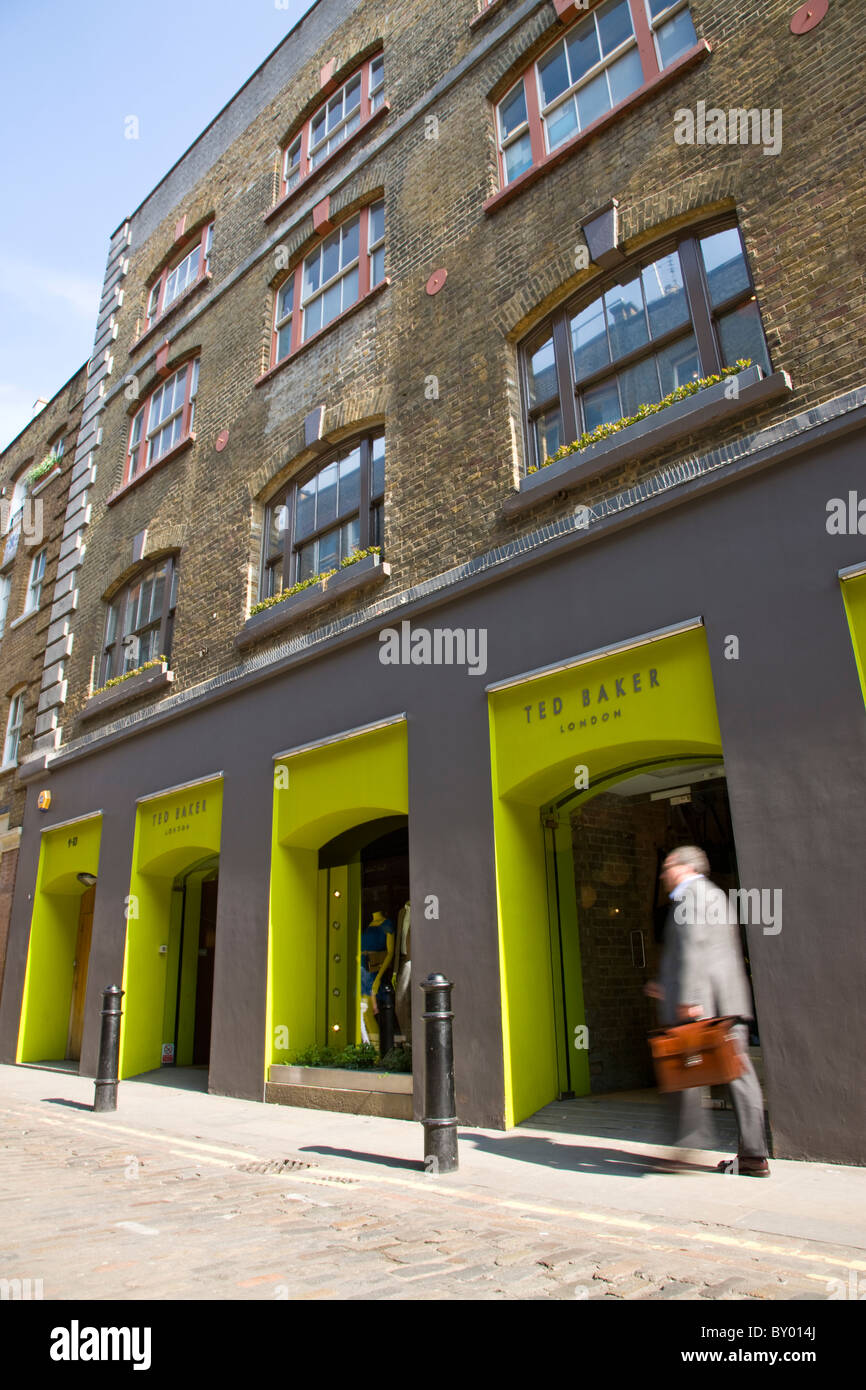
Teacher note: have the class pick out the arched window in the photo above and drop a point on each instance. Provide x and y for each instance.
(680, 312)
(344, 113)
(601, 61)
(330, 510)
(185, 270)
(164, 421)
(140, 621)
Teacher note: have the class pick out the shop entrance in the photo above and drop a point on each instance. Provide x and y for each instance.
(608, 910)
(364, 933)
(190, 967)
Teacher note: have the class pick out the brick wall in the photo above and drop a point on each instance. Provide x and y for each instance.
(452, 461)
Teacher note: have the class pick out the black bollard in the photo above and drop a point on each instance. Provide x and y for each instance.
(105, 1094)
(440, 1120)
(385, 1019)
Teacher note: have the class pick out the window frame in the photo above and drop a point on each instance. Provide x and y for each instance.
(139, 459)
(643, 40)
(701, 324)
(279, 567)
(371, 100)
(296, 319)
(5, 596)
(16, 701)
(36, 580)
(111, 660)
(203, 243)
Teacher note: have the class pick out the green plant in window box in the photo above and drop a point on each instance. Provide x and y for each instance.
(690, 388)
(302, 584)
(127, 675)
(39, 470)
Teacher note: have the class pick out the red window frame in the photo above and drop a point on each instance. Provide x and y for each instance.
(644, 41)
(369, 243)
(203, 242)
(138, 446)
(367, 111)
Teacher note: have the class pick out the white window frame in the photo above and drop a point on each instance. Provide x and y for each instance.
(373, 246)
(340, 274)
(333, 138)
(36, 580)
(570, 94)
(14, 724)
(5, 591)
(180, 277)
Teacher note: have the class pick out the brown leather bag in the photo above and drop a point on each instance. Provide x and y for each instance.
(700, 1053)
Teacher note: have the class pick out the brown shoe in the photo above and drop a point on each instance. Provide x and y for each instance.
(744, 1166)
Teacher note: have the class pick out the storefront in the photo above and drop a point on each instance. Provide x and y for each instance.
(518, 814)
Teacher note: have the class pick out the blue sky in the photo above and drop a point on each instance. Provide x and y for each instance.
(72, 73)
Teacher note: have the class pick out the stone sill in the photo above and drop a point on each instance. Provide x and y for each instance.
(684, 417)
(310, 342)
(695, 55)
(364, 574)
(286, 199)
(172, 309)
(145, 683)
(341, 1078)
(182, 444)
(22, 618)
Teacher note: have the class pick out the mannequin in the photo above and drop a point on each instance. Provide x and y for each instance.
(377, 952)
(403, 973)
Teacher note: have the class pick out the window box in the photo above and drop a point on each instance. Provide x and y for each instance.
(684, 417)
(386, 1094)
(363, 574)
(143, 683)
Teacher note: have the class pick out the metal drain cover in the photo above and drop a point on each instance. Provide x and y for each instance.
(276, 1165)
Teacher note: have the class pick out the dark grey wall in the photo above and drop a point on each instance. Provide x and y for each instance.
(755, 560)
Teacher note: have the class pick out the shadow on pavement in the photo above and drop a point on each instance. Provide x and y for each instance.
(72, 1104)
(381, 1160)
(577, 1158)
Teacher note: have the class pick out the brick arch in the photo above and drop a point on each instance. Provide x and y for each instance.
(350, 415)
(161, 541)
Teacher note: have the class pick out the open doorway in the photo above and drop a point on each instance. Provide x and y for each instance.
(609, 924)
(191, 949)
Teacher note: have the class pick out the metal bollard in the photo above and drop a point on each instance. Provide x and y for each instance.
(105, 1093)
(385, 1019)
(440, 1119)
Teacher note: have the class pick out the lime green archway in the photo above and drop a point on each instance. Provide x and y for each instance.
(580, 725)
(65, 852)
(173, 832)
(854, 594)
(319, 792)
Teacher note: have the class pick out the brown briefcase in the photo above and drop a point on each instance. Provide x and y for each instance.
(700, 1053)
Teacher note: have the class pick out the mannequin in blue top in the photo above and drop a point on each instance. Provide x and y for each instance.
(377, 952)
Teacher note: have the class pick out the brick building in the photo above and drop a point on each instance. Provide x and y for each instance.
(468, 483)
(35, 471)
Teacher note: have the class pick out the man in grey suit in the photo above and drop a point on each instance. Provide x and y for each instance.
(702, 975)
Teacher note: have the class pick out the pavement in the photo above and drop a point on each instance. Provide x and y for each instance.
(184, 1195)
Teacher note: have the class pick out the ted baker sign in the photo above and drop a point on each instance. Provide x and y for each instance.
(595, 703)
(178, 818)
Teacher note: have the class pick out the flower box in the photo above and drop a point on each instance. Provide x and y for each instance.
(684, 417)
(363, 574)
(146, 682)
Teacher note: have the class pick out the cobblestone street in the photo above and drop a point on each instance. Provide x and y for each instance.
(105, 1207)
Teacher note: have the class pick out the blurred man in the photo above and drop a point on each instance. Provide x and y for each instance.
(702, 975)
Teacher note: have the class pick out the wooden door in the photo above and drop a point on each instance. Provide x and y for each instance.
(79, 975)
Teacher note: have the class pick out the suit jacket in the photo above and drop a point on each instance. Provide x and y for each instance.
(702, 960)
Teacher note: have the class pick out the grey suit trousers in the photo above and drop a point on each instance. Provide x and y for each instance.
(693, 1125)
